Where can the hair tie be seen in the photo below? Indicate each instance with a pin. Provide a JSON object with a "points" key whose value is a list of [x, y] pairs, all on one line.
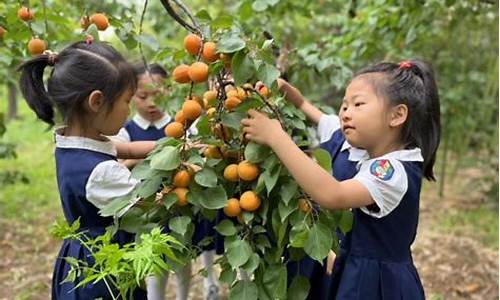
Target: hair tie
{"points": [[89, 39], [405, 64]]}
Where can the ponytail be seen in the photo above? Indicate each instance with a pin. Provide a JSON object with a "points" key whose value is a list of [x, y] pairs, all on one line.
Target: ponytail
{"points": [[79, 69], [33, 88], [431, 127]]}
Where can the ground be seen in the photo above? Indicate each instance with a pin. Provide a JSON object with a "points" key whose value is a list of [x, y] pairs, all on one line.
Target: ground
{"points": [[456, 248]]}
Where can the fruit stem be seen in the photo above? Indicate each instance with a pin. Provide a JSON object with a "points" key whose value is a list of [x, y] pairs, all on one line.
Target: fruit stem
{"points": [[143, 57], [274, 109]]}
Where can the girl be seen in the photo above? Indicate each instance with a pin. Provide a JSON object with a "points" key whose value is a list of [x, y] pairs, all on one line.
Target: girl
{"points": [[148, 124], [391, 111], [344, 159], [90, 85]]}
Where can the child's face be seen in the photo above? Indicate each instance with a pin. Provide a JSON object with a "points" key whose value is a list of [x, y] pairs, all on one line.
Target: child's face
{"points": [[147, 91], [363, 114], [114, 119]]}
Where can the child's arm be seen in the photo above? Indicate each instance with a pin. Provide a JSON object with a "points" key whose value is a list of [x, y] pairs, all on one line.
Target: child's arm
{"points": [[130, 163], [134, 150], [293, 95], [315, 181]]}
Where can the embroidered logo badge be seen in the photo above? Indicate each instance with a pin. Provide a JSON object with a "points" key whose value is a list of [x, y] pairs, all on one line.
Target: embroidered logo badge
{"points": [[382, 169]]}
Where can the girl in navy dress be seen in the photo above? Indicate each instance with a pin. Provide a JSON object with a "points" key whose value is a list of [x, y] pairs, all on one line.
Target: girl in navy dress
{"points": [[90, 85], [344, 160], [392, 111], [148, 124]]}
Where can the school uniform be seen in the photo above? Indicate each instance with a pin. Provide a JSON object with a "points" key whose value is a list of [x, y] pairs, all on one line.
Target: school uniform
{"points": [[88, 177], [378, 263], [141, 129], [344, 161]]}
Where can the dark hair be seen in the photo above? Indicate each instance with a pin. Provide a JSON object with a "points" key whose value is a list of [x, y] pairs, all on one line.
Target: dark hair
{"points": [[78, 70], [141, 68], [412, 83]]}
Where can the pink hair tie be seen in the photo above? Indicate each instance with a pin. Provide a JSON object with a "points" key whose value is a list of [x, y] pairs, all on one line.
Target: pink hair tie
{"points": [[89, 39], [405, 64]]}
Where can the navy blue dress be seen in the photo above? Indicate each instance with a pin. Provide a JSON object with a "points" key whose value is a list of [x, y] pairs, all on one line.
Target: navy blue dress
{"points": [[378, 263], [136, 133], [321, 283], [74, 167], [375, 259]]}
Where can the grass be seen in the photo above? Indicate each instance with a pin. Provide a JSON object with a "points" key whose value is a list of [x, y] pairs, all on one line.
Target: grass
{"points": [[480, 223], [474, 199], [35, 159]]}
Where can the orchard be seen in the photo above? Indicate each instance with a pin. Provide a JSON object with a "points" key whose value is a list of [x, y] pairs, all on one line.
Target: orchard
{"points": [[223, 59]]}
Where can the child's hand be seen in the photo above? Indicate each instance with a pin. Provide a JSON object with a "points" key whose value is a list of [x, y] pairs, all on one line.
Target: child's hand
{"points": [[330, 261], [260, 129]]}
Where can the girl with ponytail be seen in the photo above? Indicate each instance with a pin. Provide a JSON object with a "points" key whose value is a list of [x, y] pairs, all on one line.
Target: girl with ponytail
{"points": [[383, 143], [90, 86]]}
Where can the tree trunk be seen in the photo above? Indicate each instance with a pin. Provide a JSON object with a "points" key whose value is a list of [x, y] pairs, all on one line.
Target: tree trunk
{"points": [[12, 101]]}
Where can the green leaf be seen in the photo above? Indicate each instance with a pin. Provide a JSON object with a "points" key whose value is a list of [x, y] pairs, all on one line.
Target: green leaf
{"points": [[242, 67], [324, 159], [179, 224], [148, 40], [299, 235], [141, 170], [226, 228], [319, 242], [252, 264], [272, 2], [148, 187], [259, 5], [271, 177], [211, 198], [239, 254], [230, 44], [115, 206], [244, 290], [132, 219], [288, 190], [233, 119], [222, 22], [299, 289], [274, 281], [203, 15], [245, 11], [268, 74], [206, 177], [227, 275], [285, 210], [256, 153], [345, 223], [169, 200], [167, 159]]}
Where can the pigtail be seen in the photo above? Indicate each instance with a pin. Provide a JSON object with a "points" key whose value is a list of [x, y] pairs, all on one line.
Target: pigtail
{"points": [[33, 88]]}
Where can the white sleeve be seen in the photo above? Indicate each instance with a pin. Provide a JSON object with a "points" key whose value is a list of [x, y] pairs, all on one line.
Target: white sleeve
{"points": [[109, 180], [192, 130], [121, 136], [386, 181], [327, 125]]}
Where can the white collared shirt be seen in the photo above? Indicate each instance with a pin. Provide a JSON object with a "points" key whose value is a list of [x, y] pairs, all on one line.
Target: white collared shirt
{"points": [[385, 179], [109, 179], [123, 135]]}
